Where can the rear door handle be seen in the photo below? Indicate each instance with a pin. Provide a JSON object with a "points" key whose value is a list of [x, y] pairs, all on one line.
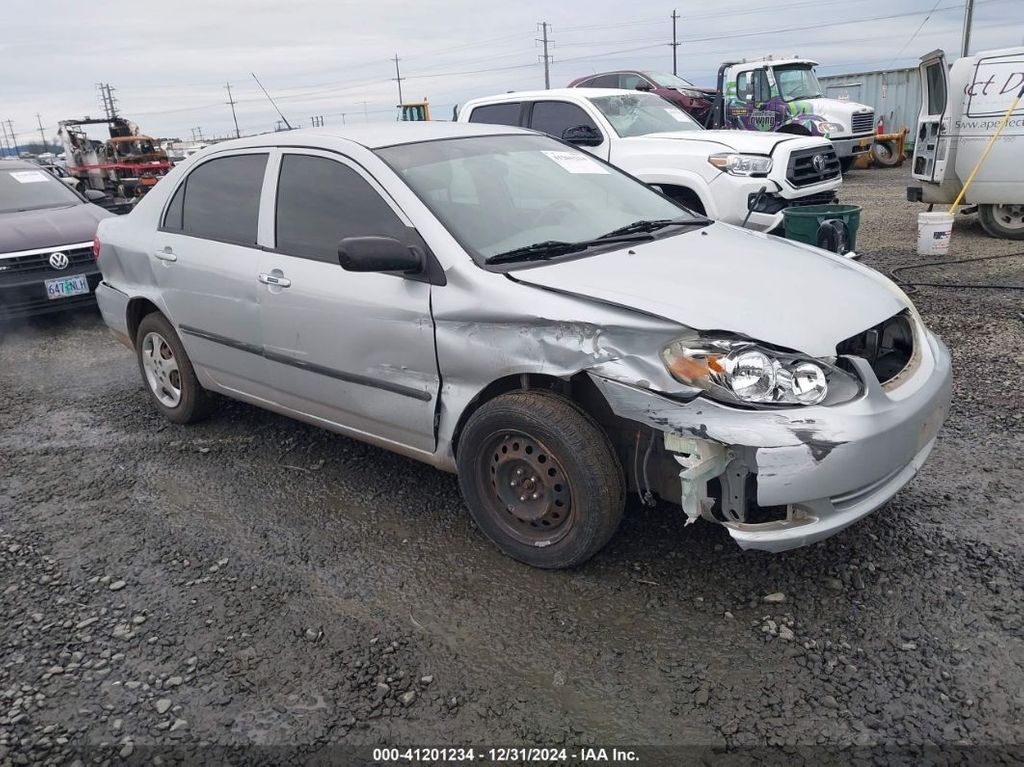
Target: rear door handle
{"points": [[273, 279], [166, 255]]}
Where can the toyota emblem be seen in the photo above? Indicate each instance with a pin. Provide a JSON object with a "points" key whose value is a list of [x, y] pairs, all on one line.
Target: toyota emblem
{"points": [[59, 260], [819, 163]]}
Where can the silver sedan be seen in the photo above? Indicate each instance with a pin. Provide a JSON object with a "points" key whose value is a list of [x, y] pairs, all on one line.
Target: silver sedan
{"points": [[499, 304]]}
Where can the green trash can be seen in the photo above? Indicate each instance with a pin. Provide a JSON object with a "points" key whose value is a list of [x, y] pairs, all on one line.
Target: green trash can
{"points": [[802, 222]]}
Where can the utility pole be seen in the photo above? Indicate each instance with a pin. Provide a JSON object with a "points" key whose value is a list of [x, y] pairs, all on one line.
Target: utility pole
{"points": [[14, 139], [547, 59], [342, 118], [317, 121], [231, 101], [675, 42], [965, 45], [42, 132], [398, 79], [6, 143]]}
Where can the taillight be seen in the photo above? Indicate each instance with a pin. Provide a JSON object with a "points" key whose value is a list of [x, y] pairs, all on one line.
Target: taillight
{"points": [[96, 248]]}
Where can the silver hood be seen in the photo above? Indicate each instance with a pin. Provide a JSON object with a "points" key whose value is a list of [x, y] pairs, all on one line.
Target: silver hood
{"points": [[726, 278]]}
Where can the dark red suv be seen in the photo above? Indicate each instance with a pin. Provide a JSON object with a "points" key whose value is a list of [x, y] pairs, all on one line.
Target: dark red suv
{"points": [[687, 96]]}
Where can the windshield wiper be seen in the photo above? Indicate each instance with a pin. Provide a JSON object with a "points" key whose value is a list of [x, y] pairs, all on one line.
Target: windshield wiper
{"points": [[537, 252], [646, 227]]}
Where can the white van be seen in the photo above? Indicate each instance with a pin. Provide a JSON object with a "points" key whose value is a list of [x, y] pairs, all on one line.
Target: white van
{"points": [[961, 107]]}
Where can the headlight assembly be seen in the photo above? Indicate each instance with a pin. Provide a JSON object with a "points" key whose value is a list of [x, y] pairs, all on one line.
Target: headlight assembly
{"points": [[827, 129], [740, 371], [742, 164]]}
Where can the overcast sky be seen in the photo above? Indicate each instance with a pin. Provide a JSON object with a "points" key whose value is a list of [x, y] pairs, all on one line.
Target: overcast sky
{"points": [[169, 61]]}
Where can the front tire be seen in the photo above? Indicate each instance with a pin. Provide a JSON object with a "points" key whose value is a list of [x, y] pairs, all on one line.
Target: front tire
{"points": [[541, 479], [168, 373], [1003, 221]]}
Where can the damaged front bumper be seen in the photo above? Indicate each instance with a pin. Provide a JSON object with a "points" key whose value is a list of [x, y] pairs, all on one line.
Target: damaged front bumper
{"points": [[823, 467]]}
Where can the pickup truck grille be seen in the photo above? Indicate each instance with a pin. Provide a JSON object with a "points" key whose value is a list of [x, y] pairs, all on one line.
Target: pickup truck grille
{"points": [[39, 263], [863, 122], [804, 171]]}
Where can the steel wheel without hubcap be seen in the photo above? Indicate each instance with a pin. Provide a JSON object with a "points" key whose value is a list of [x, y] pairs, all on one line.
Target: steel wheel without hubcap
{"points": [[1005, 220], [529, 488], [161, 369]]}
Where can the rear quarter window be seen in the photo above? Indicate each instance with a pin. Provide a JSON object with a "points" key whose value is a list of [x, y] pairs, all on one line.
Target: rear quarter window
{"points": [[497, 114]]}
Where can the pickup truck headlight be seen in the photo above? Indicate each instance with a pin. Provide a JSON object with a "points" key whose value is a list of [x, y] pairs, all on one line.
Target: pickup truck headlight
{"points": [[742, 164], [741, 371]]}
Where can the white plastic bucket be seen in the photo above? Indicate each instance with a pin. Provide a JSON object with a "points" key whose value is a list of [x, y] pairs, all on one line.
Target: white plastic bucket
{"points": [[934, 231]]}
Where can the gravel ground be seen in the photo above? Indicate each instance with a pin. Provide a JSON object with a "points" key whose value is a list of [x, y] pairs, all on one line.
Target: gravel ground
{"points": [[252, 580]]}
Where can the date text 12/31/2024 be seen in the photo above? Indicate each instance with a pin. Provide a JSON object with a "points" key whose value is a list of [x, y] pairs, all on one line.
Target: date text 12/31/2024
{"points": [[504, 754]]}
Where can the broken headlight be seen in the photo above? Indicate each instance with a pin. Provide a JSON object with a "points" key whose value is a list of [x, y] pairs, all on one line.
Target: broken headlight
{"points": [[741, 371]]}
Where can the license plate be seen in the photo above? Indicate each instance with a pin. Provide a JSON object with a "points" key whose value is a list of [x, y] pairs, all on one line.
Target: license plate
{"points": [[75, 285]]}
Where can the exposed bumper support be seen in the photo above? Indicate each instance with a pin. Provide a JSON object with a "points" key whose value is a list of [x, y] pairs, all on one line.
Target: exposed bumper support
{"points": [[701, 461], [829, 465]]}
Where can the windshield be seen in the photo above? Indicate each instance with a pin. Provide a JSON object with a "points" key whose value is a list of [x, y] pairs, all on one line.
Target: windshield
{"points": [[638, 114], [496, 194], [26, 189], [669, 81], [797, 81]]}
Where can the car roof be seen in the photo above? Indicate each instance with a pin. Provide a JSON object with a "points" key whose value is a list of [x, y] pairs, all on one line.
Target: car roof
{"points": [[576, 93], [370, 135], [9, 163]]}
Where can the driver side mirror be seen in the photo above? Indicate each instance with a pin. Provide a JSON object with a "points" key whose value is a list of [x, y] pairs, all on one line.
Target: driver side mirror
{"points": [[583, 135], [644, 86], [378, 254]]}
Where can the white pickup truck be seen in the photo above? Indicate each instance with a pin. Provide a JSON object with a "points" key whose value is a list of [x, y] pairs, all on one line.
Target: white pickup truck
{"points": [[718, 173]]}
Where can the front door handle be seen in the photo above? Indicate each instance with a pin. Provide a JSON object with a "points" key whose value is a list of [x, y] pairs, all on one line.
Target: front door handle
{"points": [[166, 255], [273, 279]]}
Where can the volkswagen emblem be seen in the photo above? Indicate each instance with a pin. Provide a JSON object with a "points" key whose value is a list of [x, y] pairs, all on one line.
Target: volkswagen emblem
{"points": [[60, 260], [818, 162]]}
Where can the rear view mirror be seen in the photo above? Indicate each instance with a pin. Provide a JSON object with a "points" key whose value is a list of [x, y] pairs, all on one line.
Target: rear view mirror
{"points": [[378, 254], [582, 135]]}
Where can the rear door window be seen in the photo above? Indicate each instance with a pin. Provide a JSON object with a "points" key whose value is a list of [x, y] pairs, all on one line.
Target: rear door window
{"points": [[555, 117], [321, 201], [222, 199], [497, 114]]}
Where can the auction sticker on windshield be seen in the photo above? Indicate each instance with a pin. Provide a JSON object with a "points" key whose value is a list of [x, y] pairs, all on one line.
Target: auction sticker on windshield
{"points": [[76, 285], [575, 162], [28, 176]]}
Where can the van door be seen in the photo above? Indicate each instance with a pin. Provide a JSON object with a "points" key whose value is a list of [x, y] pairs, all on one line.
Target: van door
{"points": [[932, 144]]}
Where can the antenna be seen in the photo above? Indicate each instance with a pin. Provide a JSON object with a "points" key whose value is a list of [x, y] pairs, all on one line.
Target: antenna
{"points": [[254, 77]]}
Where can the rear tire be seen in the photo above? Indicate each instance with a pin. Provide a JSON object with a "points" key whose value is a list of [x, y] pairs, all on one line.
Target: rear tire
{"points": [[1003, 221], [168, 374], [885, 154], [541, 479]]}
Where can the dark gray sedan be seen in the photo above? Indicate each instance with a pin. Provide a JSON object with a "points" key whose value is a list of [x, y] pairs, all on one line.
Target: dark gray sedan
{"points": [[46, 243]]}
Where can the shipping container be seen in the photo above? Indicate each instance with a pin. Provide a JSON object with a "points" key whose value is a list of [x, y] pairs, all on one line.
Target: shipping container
{"points": [[894, 93]]}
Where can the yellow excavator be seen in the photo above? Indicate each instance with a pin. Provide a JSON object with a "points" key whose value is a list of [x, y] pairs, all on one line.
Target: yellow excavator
{"points": [[415, 111]]}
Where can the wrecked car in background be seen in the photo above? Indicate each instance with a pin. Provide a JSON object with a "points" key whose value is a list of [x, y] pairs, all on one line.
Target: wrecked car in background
{"points": [[496, 303]]}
